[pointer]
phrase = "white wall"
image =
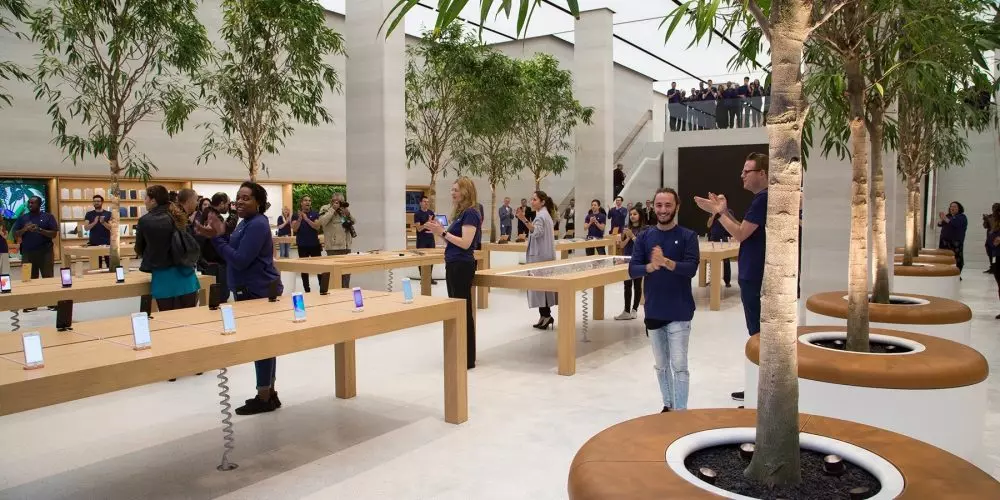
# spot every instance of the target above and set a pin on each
(207, 189)
(977, 187)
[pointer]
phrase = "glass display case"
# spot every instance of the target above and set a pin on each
(557, 269)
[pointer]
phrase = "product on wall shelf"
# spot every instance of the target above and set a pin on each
(88, 194)
(64, 193)
(77, 193)
(78, 212)
(133, 211)
(66, 211)
(99, 192)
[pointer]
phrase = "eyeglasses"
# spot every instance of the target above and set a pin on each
(751, 170)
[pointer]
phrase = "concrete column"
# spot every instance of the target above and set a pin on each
(593, 85)
(376, 130)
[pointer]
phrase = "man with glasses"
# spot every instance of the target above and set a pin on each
(750, 234)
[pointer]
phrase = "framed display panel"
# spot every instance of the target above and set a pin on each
(712, 169)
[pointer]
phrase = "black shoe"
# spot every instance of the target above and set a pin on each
(988, 271)
(539, 323)
(434, 282)
(199, 373)
(29, 309)
(738, 396)
(52, 308)
(257, 405)
(666, 409)
(998, 316)
(546, 323)
(274, 397)
(171, 380)
(728, 285)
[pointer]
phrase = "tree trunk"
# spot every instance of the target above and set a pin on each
(857, 262)
(880, 250)
(776, 461)
(254, 162)
(912, 207)
(493, 213)
(432, 190)
(115, 258)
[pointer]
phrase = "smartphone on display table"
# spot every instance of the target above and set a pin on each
(228, 319)
(119, 274)
(407, 291)
(140, 331)
(32, 342)
(359, 301)
(66, 274)
(299, 307)
(4, 283)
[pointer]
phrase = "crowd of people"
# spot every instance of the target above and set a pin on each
(710, 106)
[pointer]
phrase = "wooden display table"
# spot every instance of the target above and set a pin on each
(710, 267)
(368, 262)
(97, 356)
(563, 248)
(92, 253)
(565, 277)
(87, 288)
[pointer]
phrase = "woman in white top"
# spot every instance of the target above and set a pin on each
(541, 248)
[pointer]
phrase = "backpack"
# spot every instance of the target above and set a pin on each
(184, 250)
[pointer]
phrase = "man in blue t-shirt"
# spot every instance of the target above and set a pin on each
(99, 225)
(751, 235)
(667, 256)
(306, 231)
(618, 215)
(594, 222)
(425, 238)
(36, 230)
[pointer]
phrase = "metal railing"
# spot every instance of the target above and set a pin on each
(717, 114)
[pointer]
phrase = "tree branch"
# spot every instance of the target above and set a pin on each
(762, 20)
(830, 8)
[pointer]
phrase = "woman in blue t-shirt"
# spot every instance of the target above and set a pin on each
(953, 226)
(461, 238)
(635, 225)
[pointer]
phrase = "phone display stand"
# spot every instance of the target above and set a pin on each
(141, 347)
(64, 315)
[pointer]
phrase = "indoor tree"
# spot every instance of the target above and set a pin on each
(271, 73)
(18, 11)
(547, 113)
(489, 147)
(436, 70)
(108, 65)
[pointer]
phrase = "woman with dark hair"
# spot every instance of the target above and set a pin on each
(541, 248)
(594, 223)
(953, 226)
(994, 241)
(989, 220)
(461, 238)
(249, 255)
(633, 287)
(173, 286)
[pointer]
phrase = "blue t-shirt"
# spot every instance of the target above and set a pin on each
(752, 249)
(668, 293)
(425, 238)
(618, 216)
(284, 231)
(33, 241)
(249, 256)
(593, 231)
(955, 228)
(718, 232)
(630, 246)
(99, 235)
(452, 252)
(306, 236)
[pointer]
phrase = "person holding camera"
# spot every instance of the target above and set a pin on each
(338, 230)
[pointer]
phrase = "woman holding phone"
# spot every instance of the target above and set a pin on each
(541, 248)
(249, 254)
(461, 237)
(633, 287)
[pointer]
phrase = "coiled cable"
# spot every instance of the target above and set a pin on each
(586, 314)
(389, 289)
(228, 437)
(15, 320)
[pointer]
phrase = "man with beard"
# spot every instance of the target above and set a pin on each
(750, 233)
(667, 255)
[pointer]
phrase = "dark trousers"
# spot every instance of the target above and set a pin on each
(265, 369)
(309, 252)
(633, 286)
(178, 302)
(104, 260)
(345, 279)
(545, 311)
(41, 262)
(505, 229)
(750, 295)
(618, 189)
(957, 247)
(996, 275)
(598, 251)
(458, 277)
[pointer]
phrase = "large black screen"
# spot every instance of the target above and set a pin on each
(713, 169)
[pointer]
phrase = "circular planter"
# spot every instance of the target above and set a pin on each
(935, 393)
(934, 316)
(927, 259)
(626, 461)
(927, 251)
(937, 280)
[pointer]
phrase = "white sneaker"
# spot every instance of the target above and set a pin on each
(624, 315)
(634, 313)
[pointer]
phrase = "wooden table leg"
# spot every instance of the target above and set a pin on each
(564, 254)
(203, 296)
(425, 279)
(95, 262)
(346, 370)
(702, 271)
(456, 387)
(715, 302)
(566, 332)
(336, 280)
(484, 291)
(67, 259)
(598, 302)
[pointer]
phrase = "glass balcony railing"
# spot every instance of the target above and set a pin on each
(721, 113)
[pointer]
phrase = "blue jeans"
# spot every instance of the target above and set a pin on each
(750, 295)
(283, 249)
(670, 350)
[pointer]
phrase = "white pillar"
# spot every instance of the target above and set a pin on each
(593, 85)
(376, 130)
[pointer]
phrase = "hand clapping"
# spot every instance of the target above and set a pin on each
(212, 227)
(714, 204)
(657, 259)
(435, 227)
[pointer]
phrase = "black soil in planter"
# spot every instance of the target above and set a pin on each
(894, 301)
(874, 346)
(728, 465)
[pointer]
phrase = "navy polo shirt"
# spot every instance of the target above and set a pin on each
(752, 249)
(593, 231)
(32, 241)
(425, 238)
(306, 236)
(99, 235)
(618, 217)
(285, 231)
(668, 293)
(453, 253)
(743, 91)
